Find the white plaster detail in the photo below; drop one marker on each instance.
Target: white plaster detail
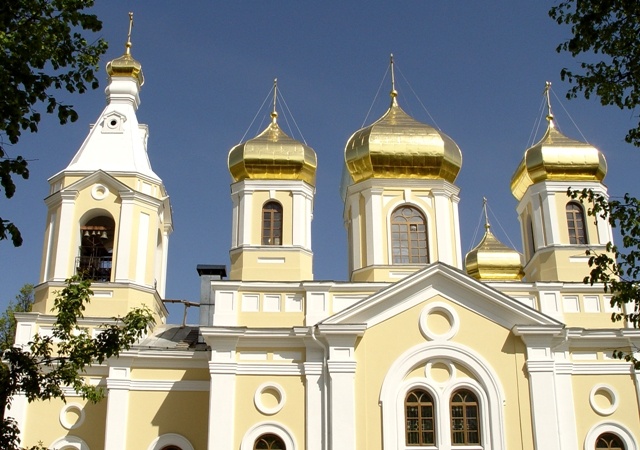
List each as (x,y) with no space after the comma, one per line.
(250,303)
(584,356)
(450,368)
(341,302)
(399,275)
(448,311)
(289,356)
(252,356)
(269,388)
(270,260)
(74,408)
(529,300)
(99,191)
(143,241)
(68,443)
(293,303)
(630,442)
(259,429)
(271,303)
(487,386)
(102,294)
(591,303)
(170,439)
(607,391)
(570,304)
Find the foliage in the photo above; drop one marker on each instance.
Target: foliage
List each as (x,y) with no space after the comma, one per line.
(53,363)
(610,28)
(619,274)
(43,49)
(23,303)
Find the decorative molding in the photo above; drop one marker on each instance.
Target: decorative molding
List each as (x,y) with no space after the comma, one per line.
(276,428)
(448,311)
(170,439)
(608,391)
(75,408)
(281,398)
(630,442)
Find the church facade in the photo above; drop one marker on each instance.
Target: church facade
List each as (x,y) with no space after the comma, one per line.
(421,348)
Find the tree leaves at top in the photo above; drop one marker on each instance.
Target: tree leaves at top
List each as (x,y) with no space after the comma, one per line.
(23,303)
(610,28)
(43,49)
(619,274)
(52,363)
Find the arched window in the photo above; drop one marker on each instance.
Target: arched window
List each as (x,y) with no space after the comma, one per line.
(96,249)
(419,418)
(269,442)
(272,223)
(465,419)
(609,441)
(409,236)
(575,224)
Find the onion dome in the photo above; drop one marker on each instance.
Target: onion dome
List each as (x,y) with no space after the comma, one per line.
(398,146)
(491,260)
(273,155)
(559,158)
(126,65)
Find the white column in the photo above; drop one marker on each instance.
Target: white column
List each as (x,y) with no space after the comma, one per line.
(299,219)
(315,408)
(456,229)
(343,405)
(550,218)
(122,258)
(165,253)
(118,387)
(66,246)
(566,406)
(222,391)
(18,412)
(235,200)
(374,220)
(538,230)
(443,231)
(356,251)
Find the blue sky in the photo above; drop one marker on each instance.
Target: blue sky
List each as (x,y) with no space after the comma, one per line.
(479,68)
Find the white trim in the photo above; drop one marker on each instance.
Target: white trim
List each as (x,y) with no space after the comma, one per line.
(257,398)
(69,442)
(448,311)
(170,439)
(488,388)
(615,400)
(72,407)
(616,428)
(259,429)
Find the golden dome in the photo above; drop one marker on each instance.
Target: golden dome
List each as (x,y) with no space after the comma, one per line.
(398,146)
(491,260)
(125,65)
(273,155)
(559,158)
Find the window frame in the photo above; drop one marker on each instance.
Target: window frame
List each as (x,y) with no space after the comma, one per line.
(413,237)
(420,418)
(273,436)
(574,213)
(466,432)
(269,232)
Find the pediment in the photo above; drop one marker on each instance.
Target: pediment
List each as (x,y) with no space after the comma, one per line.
(99,177)
(438,281)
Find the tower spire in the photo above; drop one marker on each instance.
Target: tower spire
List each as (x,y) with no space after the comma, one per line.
(487,226)
(393,93)
(547,90)
(274,113)
(127,46)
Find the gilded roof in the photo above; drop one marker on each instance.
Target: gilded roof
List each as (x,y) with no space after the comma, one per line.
(491,260)
(273,155)
(398,146)
(126,65)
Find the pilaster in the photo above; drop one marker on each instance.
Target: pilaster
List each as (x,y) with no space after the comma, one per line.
(118,390)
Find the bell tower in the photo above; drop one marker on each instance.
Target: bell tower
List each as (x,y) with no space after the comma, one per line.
(556,231)
(401,206)
(108,213)
(272,192)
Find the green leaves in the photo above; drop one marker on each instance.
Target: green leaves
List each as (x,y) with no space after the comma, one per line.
(619,269)
(42,49)
(610,28)
(53,363)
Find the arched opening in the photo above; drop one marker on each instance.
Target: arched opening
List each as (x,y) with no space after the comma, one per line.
(575,223)
(609,441)
(272,223)
(269,441)
(465,429)
(419,418)
(530,241)
(409,236)
(96,249)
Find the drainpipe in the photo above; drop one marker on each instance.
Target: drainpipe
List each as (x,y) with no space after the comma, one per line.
(325,382)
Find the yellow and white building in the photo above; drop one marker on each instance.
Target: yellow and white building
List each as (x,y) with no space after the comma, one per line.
(420,349)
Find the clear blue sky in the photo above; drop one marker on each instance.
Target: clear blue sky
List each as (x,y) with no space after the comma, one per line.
(478,67)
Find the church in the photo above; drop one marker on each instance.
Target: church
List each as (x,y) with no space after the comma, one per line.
(422,348)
